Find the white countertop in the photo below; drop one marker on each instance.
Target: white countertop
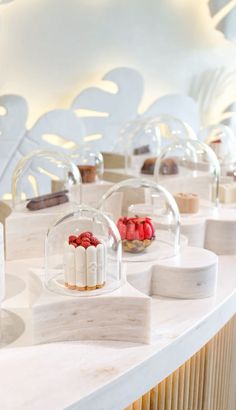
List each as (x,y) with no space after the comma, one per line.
(110,375)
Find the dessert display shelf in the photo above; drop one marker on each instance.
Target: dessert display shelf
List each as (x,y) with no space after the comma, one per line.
(109,329)
(115,374)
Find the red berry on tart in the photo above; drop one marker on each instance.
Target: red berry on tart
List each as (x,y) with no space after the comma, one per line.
(85,239)
(136,233)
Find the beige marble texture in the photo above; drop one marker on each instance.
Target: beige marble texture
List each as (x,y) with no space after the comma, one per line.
(122,315)
(221,232)
(25,230)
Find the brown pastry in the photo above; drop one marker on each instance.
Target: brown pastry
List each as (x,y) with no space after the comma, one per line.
(149,166)
(232,174)
(168,167)
(144,149)
(88,173)
(187,203)
(48,200)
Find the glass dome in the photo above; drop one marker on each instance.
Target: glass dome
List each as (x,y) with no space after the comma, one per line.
(83,254)
(138,140)
(44,179)
(173,129)
(190,170)
(222,140)
(147,232)
(141,140)
(90,164)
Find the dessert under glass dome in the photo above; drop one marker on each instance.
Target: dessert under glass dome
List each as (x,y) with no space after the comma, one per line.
(132,206)
(83,254)
(43,179)
(190,170)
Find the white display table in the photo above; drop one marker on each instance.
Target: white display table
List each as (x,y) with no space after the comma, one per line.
(111,375)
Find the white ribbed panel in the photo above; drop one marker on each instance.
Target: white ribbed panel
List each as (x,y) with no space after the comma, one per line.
(205,382)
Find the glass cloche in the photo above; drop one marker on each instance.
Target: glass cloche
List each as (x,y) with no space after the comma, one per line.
(141,140)
(89,162)
(84,254)
(147,232)
(222,140)
(190,170)
(138,141)
(44,179)
(173,129)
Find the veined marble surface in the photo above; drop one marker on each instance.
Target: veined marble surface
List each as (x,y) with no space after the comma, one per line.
(109,375)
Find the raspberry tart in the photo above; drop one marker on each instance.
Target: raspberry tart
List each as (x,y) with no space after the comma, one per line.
(136,233)
(84,262)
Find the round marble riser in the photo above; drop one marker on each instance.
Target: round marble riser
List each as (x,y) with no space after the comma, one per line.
(190,275)
(220,234)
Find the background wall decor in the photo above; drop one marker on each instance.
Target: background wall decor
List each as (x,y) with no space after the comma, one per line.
(52,50)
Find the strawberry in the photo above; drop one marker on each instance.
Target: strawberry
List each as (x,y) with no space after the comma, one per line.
(130,231)
(94,241)
(149,221)
(136,233)
(147,230)
(72,238)
(85,235)
(141,232)
(78,241)
(122,229)
(136,228)
(85,244)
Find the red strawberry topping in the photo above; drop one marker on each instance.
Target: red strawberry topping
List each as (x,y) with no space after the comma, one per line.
(85,239)
(136,228)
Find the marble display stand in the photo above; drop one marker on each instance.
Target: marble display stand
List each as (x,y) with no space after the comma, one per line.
(25,230)
(91,192)
(190,275)
(123,315)
(221,232)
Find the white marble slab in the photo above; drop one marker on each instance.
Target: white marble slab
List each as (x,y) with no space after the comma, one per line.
(190,275)
(121,315)
(26,230)
(221,232)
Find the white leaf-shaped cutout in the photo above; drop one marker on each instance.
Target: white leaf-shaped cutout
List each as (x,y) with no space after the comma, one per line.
(215,91)
(176,105)
(224,16)
(117,108)
(58,129)
(13,118)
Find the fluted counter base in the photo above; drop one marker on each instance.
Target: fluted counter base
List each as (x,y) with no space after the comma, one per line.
(207,381)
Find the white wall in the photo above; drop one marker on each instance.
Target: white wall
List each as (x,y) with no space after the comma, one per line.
(52,49)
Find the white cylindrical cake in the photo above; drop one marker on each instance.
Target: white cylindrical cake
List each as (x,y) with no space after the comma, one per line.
(80,268)
(91,258)
(2,269)
(84,262)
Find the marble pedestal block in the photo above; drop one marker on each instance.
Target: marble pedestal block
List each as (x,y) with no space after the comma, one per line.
(122,315)
(190,275)
(25,230)
(91,192)
(221,232)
